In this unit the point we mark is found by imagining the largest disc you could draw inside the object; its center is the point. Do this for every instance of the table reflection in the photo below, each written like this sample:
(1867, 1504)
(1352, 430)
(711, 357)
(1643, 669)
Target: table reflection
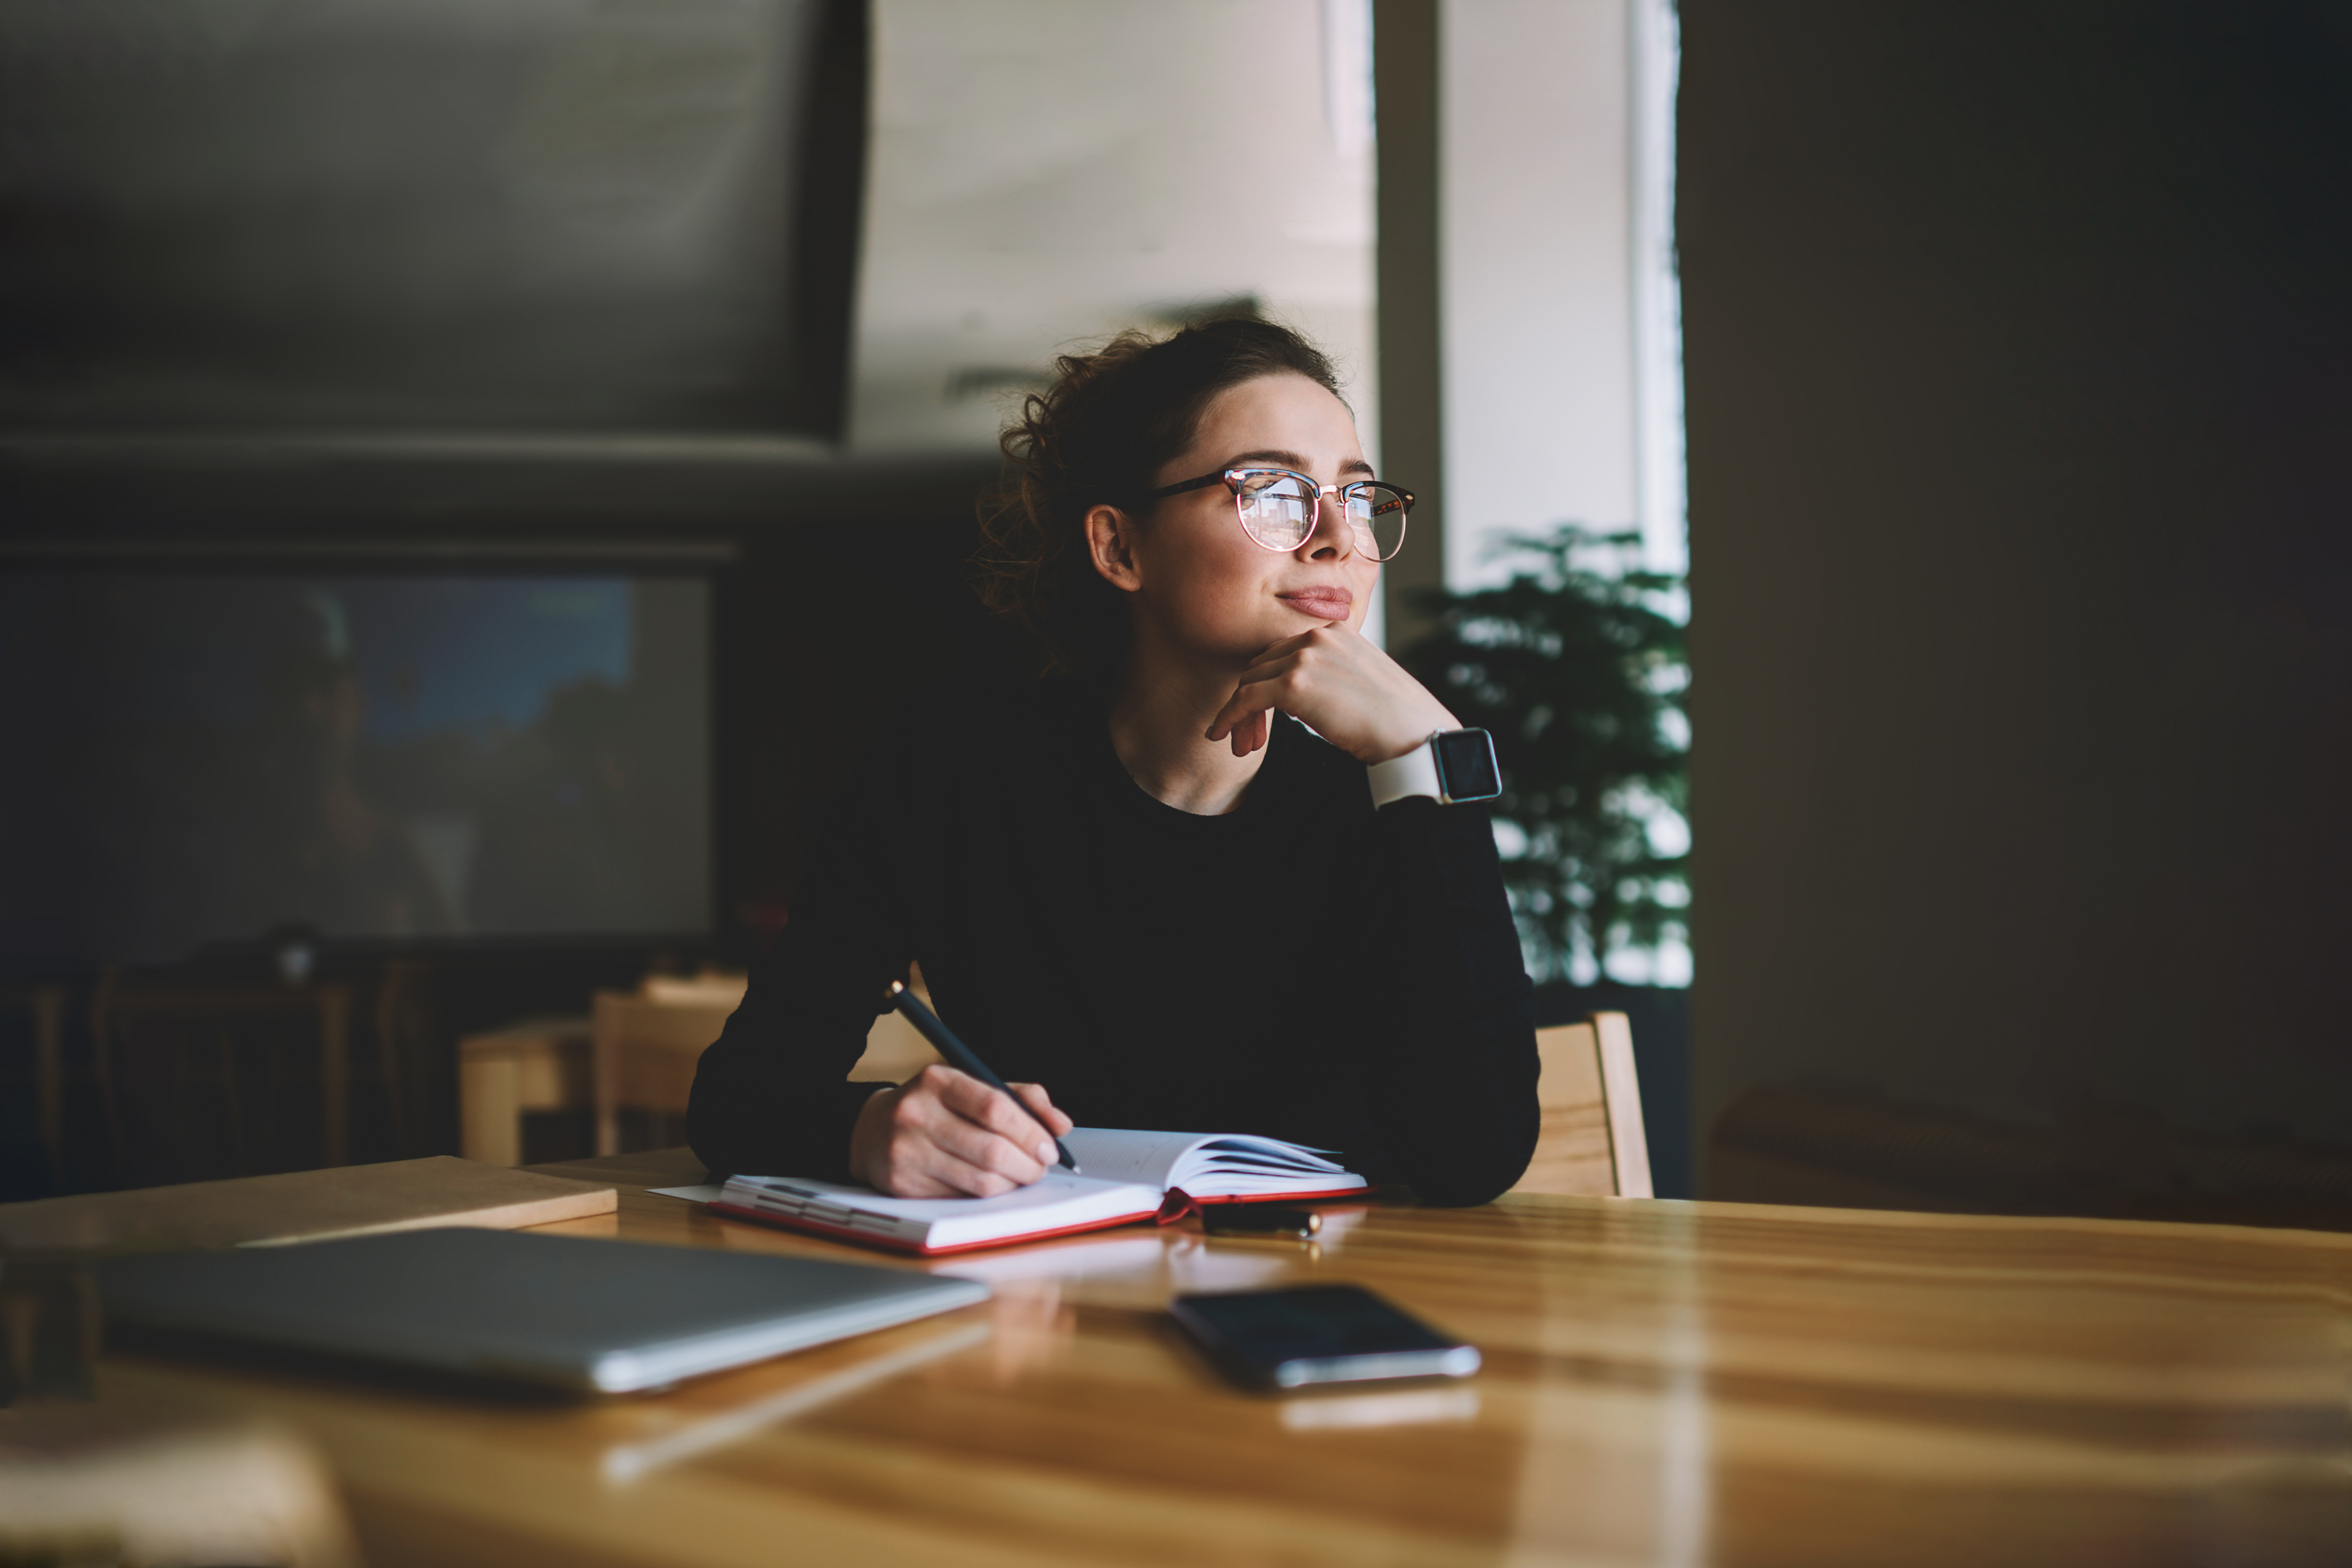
(1134, 1268)
(626, 1462)
(1389, 1408)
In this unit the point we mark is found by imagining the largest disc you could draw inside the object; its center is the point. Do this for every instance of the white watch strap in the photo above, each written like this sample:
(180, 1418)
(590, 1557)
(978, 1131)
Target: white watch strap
(1416, 773)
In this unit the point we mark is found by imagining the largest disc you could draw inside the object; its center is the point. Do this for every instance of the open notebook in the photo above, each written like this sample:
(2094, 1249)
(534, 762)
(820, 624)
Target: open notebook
(1127, 1175)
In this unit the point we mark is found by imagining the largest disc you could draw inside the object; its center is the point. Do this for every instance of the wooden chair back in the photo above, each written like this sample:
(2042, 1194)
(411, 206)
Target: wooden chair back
(644, 1045)
(202, 1082)
(531, 1065)
(45, 1010)
(1593, 1143)
(638, 1052)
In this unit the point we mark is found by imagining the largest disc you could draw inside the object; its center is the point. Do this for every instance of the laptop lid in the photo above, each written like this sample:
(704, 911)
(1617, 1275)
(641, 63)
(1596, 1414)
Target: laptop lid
(608, 1316)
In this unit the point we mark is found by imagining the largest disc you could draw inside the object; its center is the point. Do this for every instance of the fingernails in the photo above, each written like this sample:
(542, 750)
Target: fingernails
(1046, 1155)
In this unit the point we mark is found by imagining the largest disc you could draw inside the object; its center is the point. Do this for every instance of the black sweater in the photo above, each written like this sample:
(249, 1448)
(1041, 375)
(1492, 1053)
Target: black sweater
(1302, 967)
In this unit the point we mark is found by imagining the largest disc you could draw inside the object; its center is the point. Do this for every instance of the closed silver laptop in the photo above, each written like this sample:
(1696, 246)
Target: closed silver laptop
(607, 1316)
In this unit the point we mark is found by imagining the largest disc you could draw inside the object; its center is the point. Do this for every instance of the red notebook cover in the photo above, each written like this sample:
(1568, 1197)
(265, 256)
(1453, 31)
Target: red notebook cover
(909, 1250)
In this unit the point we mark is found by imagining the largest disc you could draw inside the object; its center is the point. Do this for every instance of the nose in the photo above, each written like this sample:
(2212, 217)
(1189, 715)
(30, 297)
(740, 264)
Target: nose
(1334, 538)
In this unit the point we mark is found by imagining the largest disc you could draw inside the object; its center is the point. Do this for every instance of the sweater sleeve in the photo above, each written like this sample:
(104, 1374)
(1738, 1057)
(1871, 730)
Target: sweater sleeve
(1451, 1073)
(772, 1095)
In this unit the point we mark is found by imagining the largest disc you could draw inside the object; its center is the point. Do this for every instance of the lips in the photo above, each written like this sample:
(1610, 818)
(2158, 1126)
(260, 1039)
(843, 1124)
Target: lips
(1323, 603)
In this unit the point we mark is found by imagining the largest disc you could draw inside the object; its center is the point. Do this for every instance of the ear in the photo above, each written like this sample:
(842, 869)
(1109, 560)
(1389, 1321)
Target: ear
(1110, 539)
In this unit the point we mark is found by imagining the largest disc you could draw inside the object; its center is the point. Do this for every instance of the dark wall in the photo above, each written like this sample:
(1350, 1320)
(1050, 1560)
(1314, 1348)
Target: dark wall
(1407, 37)
(826, 629)
(2019, 356)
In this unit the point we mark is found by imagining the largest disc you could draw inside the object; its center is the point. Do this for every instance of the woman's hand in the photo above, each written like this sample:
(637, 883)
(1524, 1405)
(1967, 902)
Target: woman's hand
(1337, 682)
(945, 1134)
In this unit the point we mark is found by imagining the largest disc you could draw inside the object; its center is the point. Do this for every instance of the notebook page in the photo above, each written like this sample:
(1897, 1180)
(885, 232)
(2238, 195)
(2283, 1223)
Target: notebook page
(1209, 1164)
(1242, 1154)
(1230, 1184)
(1124, 1155)
(1054, 1187)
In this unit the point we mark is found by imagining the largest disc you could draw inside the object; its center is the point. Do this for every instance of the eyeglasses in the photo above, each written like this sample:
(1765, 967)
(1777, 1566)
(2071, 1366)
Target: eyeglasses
(1280, 508)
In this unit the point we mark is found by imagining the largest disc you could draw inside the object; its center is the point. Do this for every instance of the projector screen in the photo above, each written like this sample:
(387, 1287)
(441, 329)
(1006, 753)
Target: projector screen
(395, 756)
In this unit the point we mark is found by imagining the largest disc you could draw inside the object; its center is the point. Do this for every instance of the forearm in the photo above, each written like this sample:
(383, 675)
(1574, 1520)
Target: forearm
(1451, 1072)
(747, 1122)
(772, 1096)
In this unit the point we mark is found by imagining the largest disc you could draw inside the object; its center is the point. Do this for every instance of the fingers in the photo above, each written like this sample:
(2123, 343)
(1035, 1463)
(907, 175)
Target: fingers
(889, 1152)
(1271, 677)
(997, 1116)
(1252, 698)
(1288, 646)
(943, 1134)
(973, 1123)
(1251, 732)
(1034, 1097)
(922, 1185)
(1347, 691)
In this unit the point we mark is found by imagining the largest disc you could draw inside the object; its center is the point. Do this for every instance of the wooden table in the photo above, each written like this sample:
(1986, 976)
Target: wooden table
(1666, 1382)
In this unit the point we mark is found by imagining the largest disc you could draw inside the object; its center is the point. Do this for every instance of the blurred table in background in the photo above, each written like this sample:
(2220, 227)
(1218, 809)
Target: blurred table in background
(1665, 1382)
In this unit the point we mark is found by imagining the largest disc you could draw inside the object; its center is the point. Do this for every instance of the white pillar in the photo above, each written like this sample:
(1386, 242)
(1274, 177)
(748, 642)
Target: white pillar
(1536, 268)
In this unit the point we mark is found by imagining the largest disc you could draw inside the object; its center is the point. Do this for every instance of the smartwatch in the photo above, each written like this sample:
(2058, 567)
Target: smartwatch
(1452, 765)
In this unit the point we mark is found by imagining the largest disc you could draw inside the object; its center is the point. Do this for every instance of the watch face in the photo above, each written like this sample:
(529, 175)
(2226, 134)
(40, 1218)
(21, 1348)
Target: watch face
(1466, 765)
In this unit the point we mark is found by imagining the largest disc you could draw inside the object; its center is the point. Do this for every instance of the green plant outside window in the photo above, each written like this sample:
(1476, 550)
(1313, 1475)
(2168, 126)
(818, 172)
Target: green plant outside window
(1579, 676)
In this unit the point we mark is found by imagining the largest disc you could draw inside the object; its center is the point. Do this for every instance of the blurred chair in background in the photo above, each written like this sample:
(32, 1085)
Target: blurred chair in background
(533, 1069)
(398, 1124)
(895, 1052)
(192, 1076)
(32, 1091)
(628, 1068)
(1848, 1147)
(205, 1081)
(644, 1045)
(1593, 1144)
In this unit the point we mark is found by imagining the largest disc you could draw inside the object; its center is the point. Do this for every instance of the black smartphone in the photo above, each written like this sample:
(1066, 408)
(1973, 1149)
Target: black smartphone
(1259, 1219)
(1317, 1334)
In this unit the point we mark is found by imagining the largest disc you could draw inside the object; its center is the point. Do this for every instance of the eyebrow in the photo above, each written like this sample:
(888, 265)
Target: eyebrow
(1292, 460)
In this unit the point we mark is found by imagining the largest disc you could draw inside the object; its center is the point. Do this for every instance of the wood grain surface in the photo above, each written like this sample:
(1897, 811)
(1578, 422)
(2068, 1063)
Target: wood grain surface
(1665, 1382)
(301, 1205)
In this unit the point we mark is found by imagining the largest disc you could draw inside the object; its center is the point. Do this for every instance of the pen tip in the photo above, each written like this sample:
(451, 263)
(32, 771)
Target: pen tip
(896, 987)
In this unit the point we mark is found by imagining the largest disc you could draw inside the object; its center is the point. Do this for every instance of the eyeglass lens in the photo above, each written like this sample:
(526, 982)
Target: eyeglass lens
(1278, 509)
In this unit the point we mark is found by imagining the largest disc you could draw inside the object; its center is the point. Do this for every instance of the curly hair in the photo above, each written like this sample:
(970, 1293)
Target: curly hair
(1099, 436)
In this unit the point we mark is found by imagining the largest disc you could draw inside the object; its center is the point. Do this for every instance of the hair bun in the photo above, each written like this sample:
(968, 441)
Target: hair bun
(1099, 436)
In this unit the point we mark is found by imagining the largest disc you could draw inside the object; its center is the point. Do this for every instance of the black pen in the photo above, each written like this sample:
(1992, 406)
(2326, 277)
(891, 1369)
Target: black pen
(959, 1057)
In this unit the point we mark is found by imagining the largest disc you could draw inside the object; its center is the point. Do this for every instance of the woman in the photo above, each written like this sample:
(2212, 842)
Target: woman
(1142, 885)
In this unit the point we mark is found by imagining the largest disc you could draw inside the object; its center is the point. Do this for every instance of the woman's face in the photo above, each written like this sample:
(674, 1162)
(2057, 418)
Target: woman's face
(1202, 582)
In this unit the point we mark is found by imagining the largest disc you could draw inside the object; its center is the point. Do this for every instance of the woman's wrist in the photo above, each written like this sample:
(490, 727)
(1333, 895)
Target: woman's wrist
(1397, 741)
(873, 1123)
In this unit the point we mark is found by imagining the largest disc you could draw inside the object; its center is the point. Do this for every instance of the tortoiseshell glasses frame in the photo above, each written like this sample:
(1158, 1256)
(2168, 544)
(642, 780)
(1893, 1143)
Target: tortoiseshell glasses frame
(1281, 508)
